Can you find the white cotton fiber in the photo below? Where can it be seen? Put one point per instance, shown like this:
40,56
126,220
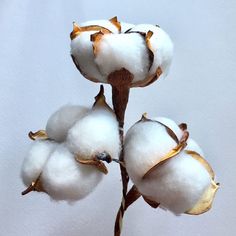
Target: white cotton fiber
104,23
129,51
65,179
177,184
125,26
145,144
35,160
170,124
82,51
95,133
161,46
62,120
193,146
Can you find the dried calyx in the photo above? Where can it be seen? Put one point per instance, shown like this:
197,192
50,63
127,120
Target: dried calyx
165,169
101,47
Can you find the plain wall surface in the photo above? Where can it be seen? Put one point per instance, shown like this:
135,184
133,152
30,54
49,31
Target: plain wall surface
37,76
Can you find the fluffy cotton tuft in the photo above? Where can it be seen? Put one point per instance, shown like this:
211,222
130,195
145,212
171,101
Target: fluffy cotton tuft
82,51
193,146
62,120
95,133
161,46
35,160
129,51
170,124
145,144
65,179
126,26
177,184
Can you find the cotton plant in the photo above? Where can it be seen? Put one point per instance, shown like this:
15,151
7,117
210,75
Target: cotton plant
67,159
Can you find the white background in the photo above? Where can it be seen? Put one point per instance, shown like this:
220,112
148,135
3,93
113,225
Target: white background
37,76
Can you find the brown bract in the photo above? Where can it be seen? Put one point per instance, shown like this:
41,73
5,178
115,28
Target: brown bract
205,202
100,101
96,38
93,162
77,30
38,135
34,186
115,22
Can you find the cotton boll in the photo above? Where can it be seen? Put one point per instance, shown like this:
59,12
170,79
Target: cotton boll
193,146
129,51
35,160
82,52
161,46
177,184
62,120
65,179
145,144
170,124
95,133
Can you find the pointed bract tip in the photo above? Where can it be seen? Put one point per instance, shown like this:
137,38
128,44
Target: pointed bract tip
100,99
114,19
144,116
76,30
39,135
183,126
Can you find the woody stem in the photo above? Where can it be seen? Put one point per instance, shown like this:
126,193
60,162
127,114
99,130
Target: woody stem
120,81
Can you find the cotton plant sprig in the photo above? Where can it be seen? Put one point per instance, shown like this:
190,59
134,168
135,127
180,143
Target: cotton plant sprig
166,166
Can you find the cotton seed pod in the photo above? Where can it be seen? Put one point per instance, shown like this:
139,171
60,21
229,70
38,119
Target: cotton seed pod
82,47
35,160
95,133
62,120
63,178
183,182
144,50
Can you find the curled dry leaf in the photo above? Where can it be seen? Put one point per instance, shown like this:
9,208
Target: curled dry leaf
39,135
93,162
35,186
